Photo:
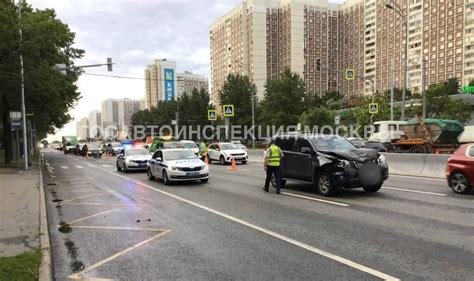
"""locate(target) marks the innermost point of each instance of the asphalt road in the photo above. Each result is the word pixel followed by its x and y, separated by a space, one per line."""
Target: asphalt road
pixel 123 226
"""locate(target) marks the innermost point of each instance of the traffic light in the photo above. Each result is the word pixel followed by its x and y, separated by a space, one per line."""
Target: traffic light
pixel 109 64
pixel 318 64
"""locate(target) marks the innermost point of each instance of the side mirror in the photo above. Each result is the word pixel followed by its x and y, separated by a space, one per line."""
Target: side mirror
pixel 306 150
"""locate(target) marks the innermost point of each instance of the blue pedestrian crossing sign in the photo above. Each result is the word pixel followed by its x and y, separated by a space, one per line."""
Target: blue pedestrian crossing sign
pixel 373 108
pixel 350 74
pixel 212 115
pixel 228 110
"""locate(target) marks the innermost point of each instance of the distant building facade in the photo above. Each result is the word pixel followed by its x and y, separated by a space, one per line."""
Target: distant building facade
pixel 260 38
pixel 117 116
pixel 160 82
pixel 95 124
pixel 82 129
pixel 189 81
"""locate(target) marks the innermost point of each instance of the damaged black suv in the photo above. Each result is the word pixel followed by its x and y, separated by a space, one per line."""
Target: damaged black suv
pixel 330 162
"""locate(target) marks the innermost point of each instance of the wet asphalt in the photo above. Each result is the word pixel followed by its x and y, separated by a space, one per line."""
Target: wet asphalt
pixel 112 225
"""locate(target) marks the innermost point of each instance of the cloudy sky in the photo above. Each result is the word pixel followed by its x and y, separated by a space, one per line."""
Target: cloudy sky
pixel 134 33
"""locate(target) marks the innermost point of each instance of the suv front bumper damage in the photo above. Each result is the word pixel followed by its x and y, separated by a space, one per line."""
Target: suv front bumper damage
pixel 348 177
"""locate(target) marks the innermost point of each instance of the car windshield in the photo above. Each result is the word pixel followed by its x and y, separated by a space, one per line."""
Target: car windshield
pixel 136 151
pixel 93 146
pixel 173 144
pixel 228 146
pixel 178 155
pixel 190 145
pixel 331 143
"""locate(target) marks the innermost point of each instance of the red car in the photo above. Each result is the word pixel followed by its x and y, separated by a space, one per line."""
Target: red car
pixel 460 169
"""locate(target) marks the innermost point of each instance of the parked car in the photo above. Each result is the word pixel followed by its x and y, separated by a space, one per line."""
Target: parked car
pixel 239 145
pixel 79 148
pixel 460 169
pixel 92 150
pixel 224 152
pixel 330 162
pixel 189 144
pixel 114 148
pixel 172 165
pixel 133 159
pixel 378 146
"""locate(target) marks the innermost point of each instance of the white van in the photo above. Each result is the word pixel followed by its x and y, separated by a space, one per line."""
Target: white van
pixel 468 135
pixel 386 131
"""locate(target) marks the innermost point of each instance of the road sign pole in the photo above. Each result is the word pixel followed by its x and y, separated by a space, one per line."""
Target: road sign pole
pixel 227 128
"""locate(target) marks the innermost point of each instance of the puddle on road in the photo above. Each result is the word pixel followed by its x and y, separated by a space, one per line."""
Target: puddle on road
pixel 65 227
pixel 76 265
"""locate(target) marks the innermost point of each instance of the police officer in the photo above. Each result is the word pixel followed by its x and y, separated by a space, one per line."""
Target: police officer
pixel 272 165
pixel 202 150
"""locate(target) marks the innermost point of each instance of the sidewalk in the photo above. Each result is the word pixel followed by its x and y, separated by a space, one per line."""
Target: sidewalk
pixel 19 211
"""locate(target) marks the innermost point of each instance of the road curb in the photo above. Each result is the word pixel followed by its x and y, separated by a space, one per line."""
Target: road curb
pixel 45 272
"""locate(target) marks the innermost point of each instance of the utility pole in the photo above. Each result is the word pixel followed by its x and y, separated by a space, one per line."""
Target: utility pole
pixel 23 109
pixel 392 78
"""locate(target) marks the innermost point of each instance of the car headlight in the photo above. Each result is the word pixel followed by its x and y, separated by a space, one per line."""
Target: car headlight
pixel 343 163
pixel 127 161
pixel 382 161
pixel 173 168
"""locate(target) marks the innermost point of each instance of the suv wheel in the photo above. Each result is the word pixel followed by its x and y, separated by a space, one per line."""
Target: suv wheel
pixel 222 160
pixel 459 184
pixel 324 185
pixel 118 167
pixel 273 182
pixel 373 188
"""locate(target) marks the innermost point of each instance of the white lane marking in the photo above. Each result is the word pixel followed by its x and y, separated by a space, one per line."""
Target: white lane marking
pixel 105 165
pixel 413 191
pixel 315 199
pixel 64 167
pixel 419 178
pixel 78 166
pixel 310 248
pixel 91 165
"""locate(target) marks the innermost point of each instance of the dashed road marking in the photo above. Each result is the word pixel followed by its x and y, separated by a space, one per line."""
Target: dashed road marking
pixel 415 177
pixel 64 167
pixel 105 165
pixel 315 199
pixel 161 233
pixel 94 215
pixel 297 243
pixel 413 191
pixel 85 196
pixel 78 166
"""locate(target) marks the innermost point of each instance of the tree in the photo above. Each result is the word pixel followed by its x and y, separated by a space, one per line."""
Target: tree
pixel 318 116
pixel 284 100
pixel 193 108
pixel 440 105
pixel 46 41
pixel 238 90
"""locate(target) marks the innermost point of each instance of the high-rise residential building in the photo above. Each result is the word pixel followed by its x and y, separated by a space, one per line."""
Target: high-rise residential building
pixel 160 82
pixel 262 37
pixel 95 124
pixel 187 81
pixel 82 129
pixel 163 83
pixel 117 116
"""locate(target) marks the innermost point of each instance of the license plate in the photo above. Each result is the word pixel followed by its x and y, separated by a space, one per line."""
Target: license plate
pixel 192 174
pixel 142 165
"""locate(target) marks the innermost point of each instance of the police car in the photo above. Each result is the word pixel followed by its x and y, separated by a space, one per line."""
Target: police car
pixel 171 165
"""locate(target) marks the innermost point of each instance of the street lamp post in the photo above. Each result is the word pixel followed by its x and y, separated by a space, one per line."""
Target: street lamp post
pixel 395 7
pixel 23 109
pixel 253 109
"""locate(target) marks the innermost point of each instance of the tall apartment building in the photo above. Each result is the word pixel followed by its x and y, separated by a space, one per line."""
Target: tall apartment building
pixel 117 116
pixel 262 37
pixel 160 82
pixel 163 83
pixel 95 124
pixel 82 129
pixel 187 81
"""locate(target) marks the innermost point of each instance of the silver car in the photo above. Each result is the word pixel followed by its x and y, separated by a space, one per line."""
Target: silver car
pixel 172 165
pixel 133 159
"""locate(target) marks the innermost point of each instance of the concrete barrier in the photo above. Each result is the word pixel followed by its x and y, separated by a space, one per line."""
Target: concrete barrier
pixel 421 165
